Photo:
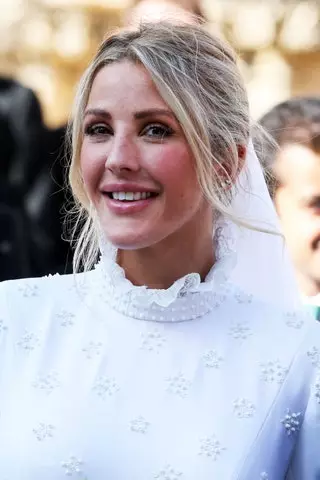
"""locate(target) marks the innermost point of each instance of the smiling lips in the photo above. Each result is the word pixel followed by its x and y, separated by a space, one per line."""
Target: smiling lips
pixel 130 196
pixel 128 202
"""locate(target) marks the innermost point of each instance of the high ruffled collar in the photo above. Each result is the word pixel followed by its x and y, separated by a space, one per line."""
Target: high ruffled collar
pixel 186 299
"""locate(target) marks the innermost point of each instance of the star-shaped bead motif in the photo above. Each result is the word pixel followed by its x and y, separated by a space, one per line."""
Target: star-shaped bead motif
pixel 211 447
pixel 168 473
pixel 291 422
pixel 43 431
pixel 139 425
pixel 80 288
pixel 66 318
pixel 317 389
pixel 212 359
pixel 314 355
pixel 218 299
pixel 243 408
pixel 93 349
pixel 73 465
pixel 152 340
pixel 293 320
pixel 243 298
pixel 47 383
pixel 178 385
pixel 28 290
pixel 29 341
pixel 105 386
pixel 240 331
pixel 273 371
pixel 3 326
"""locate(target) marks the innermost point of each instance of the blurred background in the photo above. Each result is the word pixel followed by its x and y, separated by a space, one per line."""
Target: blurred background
pixel 45 46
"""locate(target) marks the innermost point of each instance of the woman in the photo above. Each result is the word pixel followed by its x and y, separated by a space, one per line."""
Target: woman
pixel 180 354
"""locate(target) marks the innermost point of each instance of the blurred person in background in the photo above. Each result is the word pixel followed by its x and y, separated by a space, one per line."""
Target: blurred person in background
pixel 20 134
pixel 47 201
pixel 31 194
pixel 293 177
pixel 21 110
pixel 15 258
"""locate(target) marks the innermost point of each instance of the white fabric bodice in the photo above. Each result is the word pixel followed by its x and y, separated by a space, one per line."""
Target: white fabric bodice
pixel 101 380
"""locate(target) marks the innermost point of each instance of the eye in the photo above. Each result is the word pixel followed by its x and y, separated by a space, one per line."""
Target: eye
pixel 315 204
pixel 157 131
pixel 97 129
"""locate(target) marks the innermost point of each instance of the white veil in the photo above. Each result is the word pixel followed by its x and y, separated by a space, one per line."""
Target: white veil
pixel 255 261
pixel 263 266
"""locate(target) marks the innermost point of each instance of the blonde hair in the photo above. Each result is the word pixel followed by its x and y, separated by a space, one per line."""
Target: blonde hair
pixel 197 76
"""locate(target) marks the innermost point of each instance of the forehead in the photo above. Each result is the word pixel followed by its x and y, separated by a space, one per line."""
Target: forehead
pixel 124 84
pixel 298 167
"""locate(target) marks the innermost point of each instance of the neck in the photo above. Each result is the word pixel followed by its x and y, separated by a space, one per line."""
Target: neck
pixel 160 265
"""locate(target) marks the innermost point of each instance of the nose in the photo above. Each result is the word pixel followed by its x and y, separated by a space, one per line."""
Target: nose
pixel 123 155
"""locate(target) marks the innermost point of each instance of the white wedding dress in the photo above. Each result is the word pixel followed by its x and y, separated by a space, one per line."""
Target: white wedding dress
pixel 101 380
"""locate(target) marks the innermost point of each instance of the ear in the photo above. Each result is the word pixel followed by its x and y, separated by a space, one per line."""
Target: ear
pixel 227 174
pixel 242 153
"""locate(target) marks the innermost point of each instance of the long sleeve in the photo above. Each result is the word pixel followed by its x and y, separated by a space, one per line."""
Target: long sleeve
pixel 305 464
pixel 4 329
pixel 4 314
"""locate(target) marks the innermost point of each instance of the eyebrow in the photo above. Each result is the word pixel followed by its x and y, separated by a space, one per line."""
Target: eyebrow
pixel 153 111
pixel 99 112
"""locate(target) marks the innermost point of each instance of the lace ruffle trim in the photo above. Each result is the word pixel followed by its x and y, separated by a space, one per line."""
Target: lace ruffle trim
pixel 116 284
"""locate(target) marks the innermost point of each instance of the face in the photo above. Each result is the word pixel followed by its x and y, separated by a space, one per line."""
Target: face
pixel 137 167
pixel 298 204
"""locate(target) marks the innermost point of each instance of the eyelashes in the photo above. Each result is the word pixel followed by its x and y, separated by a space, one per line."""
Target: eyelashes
pixel 96 130
pixel 156 131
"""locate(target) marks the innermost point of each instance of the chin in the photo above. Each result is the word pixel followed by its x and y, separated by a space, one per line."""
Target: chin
pixel 130 241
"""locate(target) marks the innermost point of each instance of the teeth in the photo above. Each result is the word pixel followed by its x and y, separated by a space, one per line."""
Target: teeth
pixel 130 196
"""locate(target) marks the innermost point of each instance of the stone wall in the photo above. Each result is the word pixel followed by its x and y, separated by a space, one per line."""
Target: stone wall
pixel 46 44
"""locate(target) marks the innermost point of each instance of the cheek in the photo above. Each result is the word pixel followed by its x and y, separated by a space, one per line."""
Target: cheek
pixel 311 227
pixel 174 169
pixel 91 164
pixel 300 227
pixel 286 206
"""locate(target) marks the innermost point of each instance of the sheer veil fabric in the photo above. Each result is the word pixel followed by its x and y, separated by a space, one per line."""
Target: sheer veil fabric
pixel 263 266
pixel 255 261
